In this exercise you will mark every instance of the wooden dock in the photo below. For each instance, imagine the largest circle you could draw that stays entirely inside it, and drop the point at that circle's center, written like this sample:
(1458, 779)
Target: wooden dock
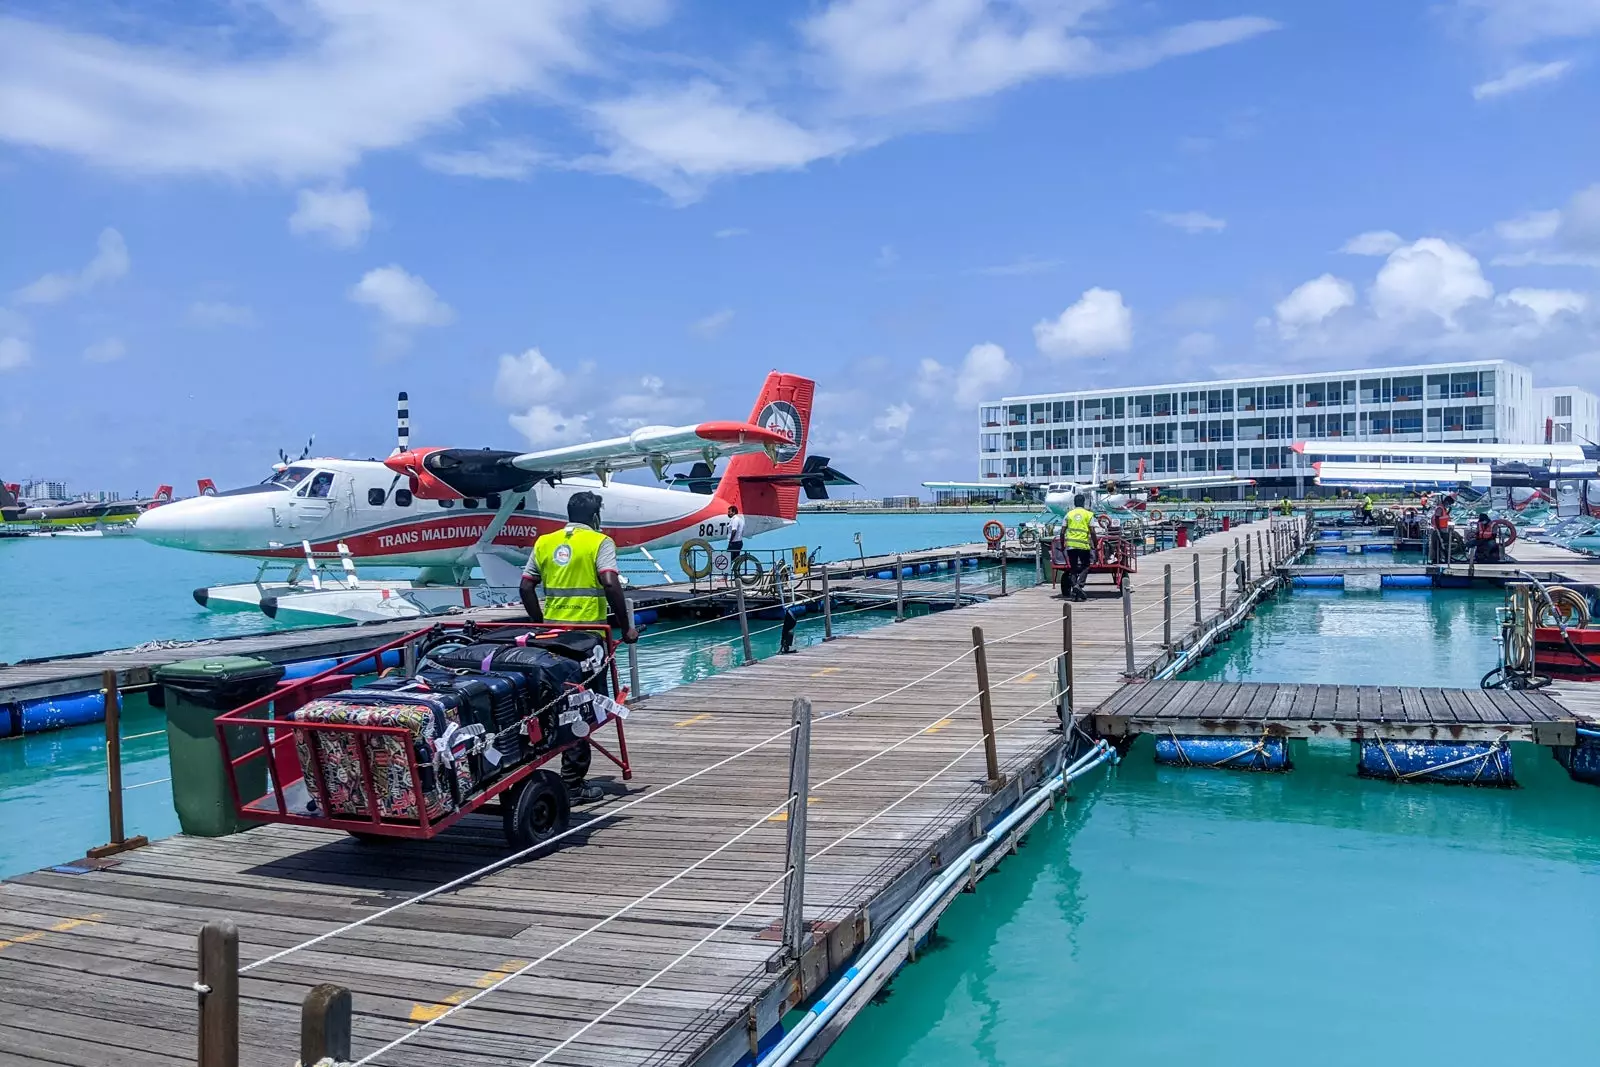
(1355, 712)
(97, 960)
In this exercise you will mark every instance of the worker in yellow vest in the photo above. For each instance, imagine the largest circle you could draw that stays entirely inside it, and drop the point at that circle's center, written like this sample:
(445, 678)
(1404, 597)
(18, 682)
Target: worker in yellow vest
(577, 566)
(1078, 542)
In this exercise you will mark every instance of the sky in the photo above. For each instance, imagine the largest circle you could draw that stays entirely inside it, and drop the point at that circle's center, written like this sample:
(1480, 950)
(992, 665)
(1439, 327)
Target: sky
(228, 226)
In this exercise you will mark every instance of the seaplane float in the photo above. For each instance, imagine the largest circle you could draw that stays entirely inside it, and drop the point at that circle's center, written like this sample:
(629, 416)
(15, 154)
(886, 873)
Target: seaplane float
(464, 520)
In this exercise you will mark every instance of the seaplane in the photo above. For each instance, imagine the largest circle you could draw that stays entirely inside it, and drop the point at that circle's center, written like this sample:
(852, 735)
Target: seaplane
(70, 518)
(1135, 494)
(1512, 476)
(450, 512)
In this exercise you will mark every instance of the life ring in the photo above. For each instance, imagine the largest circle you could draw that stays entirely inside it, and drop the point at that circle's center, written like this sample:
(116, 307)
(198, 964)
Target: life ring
(1104, 520)
(1155, 515)
(1571, 606)
(686, 557)
(1505, 532)
(1028, 534)
(741, 571)
(994, 532)
(1202, 512)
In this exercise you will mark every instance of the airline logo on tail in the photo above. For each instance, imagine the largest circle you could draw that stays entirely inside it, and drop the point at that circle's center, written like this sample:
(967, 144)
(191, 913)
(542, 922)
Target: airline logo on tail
(782, 416)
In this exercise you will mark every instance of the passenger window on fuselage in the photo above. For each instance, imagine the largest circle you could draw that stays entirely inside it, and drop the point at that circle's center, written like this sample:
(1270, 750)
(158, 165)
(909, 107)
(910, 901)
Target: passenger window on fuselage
(402, 498)
(447, 503)
(469, 503)
(375, 497)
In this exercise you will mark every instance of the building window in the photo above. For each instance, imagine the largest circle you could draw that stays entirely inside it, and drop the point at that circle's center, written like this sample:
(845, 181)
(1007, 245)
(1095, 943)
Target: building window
(1164, 405)
(990, 416)
(1563, 433)
(1563, 409)
(989, 442)
(1017, 415)
(1408, 422)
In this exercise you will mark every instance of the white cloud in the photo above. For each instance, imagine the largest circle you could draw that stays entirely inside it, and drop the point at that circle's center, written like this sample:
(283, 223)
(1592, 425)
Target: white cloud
(107, 351)
(1534, 226)
(731, 231)
(1312, 303)
(14, 353)
(1197, 345)
(1580, 221)
(527, 378)
(1521, 76)
(544, 426)
(1540, 257)
(888, 55)
(895, 419)
(220, 313)
(1517, 23)
(983, 373)
(403, 299)
(649, 404)
(1546, 304)
(713, 325)
(1097, 324)
(1191, 221)
(503, 159)
(342, 216)
(681, 138)
(109, 263)
(1429, 276)
(1372, 243)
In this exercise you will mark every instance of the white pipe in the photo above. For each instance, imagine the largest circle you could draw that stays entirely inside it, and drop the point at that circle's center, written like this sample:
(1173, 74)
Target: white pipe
(794, 1042)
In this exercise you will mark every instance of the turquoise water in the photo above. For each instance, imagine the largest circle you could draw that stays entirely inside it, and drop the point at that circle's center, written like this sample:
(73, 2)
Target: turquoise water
(75, 595)
(1205, 917)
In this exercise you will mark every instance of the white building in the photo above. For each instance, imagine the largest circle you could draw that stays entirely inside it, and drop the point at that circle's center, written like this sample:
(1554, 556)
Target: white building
(1568, 414)
(1245, 426)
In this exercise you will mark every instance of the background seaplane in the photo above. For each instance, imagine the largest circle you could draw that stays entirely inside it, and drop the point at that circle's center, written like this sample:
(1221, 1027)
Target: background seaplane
(71, 517)
(1512, 476)
(448, 511)
(1115, 494)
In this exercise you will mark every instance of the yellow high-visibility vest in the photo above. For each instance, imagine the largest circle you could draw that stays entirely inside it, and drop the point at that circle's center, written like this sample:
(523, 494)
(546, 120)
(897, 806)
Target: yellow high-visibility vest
(1079, 522)
(567, 560)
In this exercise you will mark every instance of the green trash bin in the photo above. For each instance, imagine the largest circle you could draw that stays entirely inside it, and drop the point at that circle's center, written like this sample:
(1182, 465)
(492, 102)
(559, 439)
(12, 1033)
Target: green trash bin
(194, 692)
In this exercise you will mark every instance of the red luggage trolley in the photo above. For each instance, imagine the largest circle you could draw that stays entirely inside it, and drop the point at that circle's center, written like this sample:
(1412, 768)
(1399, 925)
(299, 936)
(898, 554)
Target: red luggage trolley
(1114, 555)
(276, 749)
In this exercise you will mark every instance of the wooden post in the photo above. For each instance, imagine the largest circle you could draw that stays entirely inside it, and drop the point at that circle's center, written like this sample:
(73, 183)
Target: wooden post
(991, 758)
(899, 592)
(1197, 612)
(1223, 574)
(1127, 625)
(827, 607)
(218, 990)
(408, 659)
(794, 890)
(325, 1025)
(119, 842)
(1064, 668)
(959, 561)
(1038, 563)
(633, 656)
(744, 619)
(1005, 560)
(1249, 558)
(1166, 607)
(1261, 554)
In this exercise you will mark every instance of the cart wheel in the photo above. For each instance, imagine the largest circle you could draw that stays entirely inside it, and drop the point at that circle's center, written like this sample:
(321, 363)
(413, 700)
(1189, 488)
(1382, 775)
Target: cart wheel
(372, 840)
(538, 812)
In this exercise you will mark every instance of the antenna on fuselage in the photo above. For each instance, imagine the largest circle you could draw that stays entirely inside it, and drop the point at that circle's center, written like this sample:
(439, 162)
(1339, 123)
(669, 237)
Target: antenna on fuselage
(402, 424)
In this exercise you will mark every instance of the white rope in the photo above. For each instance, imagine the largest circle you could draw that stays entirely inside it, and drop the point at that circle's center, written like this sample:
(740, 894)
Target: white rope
(142, 785)
(648, 982)
(574, 939)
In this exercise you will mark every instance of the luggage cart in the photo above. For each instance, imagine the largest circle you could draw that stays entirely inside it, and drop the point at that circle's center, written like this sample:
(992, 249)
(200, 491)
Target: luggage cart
(1113, 555)
(532, 798)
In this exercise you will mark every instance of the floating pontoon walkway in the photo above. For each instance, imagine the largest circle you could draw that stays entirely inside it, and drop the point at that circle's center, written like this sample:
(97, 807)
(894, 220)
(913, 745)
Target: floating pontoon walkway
(97, 962)
(1355, 712)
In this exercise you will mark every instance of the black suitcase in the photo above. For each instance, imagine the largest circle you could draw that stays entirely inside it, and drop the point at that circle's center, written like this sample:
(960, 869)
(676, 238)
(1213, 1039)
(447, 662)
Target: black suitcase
(550, 680)
(503, 703)
(588, 648)
(475, 657)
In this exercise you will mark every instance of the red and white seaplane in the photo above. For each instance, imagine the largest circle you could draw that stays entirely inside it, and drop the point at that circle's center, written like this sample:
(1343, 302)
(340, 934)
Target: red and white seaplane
(450, 511)
(1513, 476)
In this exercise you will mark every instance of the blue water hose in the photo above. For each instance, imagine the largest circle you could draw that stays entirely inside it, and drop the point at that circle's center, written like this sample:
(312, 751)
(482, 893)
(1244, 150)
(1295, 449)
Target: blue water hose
(794, 1042)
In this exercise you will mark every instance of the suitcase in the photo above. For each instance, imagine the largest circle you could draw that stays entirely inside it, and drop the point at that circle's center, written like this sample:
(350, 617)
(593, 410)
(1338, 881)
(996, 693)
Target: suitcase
(590, 649)
(427, 717)
(498, 702)
(550, 680)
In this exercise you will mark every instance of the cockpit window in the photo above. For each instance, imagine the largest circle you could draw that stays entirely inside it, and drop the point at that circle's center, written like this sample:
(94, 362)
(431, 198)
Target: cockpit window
(321, 485)
(289, 477)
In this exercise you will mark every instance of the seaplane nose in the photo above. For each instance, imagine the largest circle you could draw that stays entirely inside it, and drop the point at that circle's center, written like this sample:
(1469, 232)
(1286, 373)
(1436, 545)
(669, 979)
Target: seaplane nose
(164, 525)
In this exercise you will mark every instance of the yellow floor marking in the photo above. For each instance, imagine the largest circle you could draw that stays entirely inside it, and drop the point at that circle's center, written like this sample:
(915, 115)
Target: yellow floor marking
(702, 717)
(825, 670)
(940, 725)
(421, 1013)
(1030, 676)
(59, 928)
(783, 816)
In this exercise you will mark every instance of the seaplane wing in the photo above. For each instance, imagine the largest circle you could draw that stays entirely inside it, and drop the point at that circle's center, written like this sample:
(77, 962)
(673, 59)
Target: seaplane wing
(1403, 474)
(1464, 451)
(448, 473)
(1198, 481)
(993, 483)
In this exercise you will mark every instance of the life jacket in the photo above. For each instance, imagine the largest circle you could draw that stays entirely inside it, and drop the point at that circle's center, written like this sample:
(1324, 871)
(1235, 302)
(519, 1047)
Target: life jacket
(567, 560)
(1079, 523)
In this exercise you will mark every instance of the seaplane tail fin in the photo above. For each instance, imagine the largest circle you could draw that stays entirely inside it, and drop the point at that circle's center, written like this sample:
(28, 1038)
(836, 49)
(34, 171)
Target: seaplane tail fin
(163, 495)
(206, 487)
(751, 482)
(8, 494)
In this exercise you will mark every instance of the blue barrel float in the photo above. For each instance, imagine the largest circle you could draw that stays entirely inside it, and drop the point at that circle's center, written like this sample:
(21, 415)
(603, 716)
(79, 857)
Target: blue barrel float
(1449, 762)
(1582, 760)
(1226, 753)
(1406, 581)
(1319, 581)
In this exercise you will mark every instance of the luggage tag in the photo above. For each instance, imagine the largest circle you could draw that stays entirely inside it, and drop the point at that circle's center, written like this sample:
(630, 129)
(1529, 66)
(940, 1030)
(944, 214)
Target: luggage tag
(600, 704)
(457, 741)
